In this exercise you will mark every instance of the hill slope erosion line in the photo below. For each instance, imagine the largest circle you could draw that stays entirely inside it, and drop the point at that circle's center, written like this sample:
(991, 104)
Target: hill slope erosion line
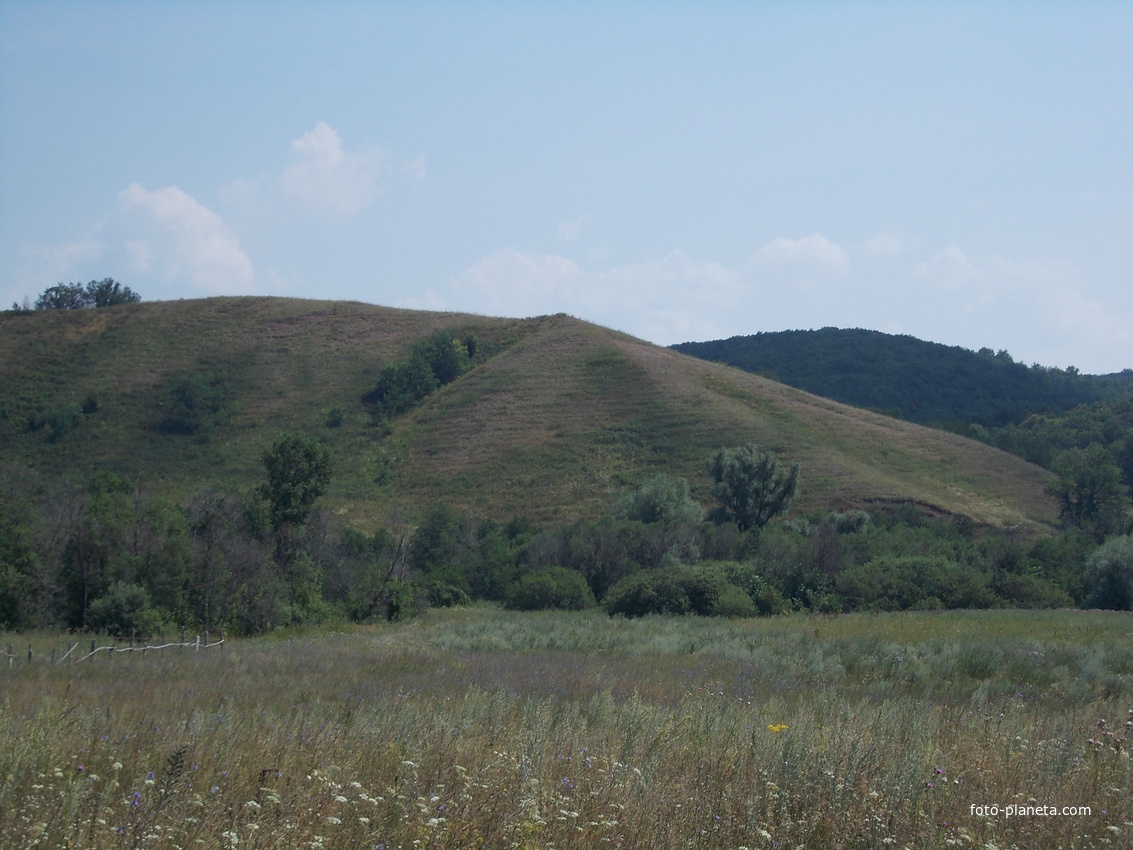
(555, 418)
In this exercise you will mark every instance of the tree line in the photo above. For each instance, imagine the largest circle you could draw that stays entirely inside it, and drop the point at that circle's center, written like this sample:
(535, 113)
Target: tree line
(76, 296)
(108, 556)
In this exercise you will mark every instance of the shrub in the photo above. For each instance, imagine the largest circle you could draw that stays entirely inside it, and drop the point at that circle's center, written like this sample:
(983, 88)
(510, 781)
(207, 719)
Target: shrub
(1109, 575)
(764, 596)
(124, 611)
(662, 498)
(913, 582)
(679, 590)
(1029, 591)
(551, 587)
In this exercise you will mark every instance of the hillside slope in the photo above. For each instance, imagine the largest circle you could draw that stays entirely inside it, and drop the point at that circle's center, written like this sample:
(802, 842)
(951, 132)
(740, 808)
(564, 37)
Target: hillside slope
(555, 424)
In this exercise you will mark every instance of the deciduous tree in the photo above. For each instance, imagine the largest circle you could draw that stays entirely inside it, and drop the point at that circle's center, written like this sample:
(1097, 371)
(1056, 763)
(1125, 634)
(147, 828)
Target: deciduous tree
(752, 486)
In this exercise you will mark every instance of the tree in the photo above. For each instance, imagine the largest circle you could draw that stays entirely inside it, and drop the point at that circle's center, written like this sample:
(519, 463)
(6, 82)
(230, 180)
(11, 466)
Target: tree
(74, 296)
(662, 498)
(1109, 573)
(752, 486)
(298, 471)
(109, 293)
(62, 296)
(1089, 490)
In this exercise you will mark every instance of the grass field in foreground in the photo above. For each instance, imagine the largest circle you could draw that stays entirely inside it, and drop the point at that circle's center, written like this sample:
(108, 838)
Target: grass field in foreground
(480, 728)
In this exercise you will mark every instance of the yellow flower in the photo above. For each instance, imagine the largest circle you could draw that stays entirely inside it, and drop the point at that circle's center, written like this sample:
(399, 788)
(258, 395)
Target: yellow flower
(777, 727)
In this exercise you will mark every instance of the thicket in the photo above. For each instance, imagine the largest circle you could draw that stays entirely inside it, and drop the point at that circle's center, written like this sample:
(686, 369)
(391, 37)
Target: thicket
(433, 362)
(108, 556)
(76, 296)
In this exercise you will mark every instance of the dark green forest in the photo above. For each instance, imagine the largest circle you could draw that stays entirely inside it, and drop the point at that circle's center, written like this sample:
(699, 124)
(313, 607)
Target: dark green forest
(923, 382)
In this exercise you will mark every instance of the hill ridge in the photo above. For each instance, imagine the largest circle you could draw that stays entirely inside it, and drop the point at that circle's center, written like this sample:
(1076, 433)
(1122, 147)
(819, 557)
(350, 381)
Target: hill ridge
(564, 417)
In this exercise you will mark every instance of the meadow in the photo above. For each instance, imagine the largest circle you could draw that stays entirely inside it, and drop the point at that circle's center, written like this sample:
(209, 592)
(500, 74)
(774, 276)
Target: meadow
(479, 728)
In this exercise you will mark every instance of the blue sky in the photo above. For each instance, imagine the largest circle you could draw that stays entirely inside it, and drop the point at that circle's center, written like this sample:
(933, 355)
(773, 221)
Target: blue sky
(962, 172)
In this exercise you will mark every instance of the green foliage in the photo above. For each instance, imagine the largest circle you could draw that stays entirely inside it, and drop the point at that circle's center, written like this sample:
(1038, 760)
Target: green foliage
(57, 422)
(764, 597)
(551, 588)
(124, 611)
(197, 403)
(678, 590)
(903, 376)
(1110, 575)
(18, 565)
(75, 296)
(433, 362)
(662, 498)
(298, 471)
(1089, 491)
(752, 486)
(913, 583)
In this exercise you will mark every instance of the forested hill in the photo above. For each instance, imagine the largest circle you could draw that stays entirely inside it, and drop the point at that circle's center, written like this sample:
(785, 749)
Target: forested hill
(923, 382)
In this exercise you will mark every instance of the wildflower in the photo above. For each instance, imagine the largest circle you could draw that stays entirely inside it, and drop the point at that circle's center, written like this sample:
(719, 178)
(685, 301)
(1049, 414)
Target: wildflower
(80, 768)
(333, 820)
(777, 727)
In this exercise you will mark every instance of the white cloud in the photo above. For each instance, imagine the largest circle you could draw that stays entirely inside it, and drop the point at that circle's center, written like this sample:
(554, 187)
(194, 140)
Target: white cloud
(325, 176)
(949, 269)
(569, 231)
(814, 253)
(182, 240)
(672, 299)
(886, 244)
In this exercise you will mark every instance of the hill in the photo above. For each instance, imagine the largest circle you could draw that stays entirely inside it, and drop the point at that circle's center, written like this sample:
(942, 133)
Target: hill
(920, 381)
(555, 419)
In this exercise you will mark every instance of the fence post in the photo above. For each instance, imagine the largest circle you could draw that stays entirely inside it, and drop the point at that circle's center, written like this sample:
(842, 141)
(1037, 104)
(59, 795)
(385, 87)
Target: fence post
(11, 655)
(52, 656)
(206, 638)
(198, 646)
(29, 653)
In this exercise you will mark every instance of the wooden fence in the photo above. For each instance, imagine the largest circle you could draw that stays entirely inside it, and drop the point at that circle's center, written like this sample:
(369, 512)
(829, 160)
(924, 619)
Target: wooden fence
(75, 655)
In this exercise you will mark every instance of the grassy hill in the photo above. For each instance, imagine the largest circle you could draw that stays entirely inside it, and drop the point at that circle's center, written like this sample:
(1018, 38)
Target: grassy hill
(556, 420)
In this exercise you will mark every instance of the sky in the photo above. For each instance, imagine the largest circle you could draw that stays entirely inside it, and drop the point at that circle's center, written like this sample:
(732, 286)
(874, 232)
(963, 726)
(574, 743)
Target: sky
(960, 172)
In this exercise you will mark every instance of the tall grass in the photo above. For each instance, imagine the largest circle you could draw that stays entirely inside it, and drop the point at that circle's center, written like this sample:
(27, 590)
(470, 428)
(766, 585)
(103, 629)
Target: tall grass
(479, 728)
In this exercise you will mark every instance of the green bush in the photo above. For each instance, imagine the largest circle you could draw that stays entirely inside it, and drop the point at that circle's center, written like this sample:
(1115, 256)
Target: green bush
(1030, 591)
(764, 596)
(124, 611)
(1109, 574)
(551, 588)
(913, 582)
(662, 498)
(679, 590)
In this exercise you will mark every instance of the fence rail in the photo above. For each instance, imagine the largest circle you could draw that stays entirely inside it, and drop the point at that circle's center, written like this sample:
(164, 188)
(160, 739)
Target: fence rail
(196, 644)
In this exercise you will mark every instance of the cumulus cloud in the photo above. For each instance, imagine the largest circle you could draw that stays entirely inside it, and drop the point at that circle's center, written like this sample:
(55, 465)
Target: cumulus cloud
(569, 231)
(667, 299)
(810, 254)
(886, 244)
(949, 269)
(180, 239)
(325, 176)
